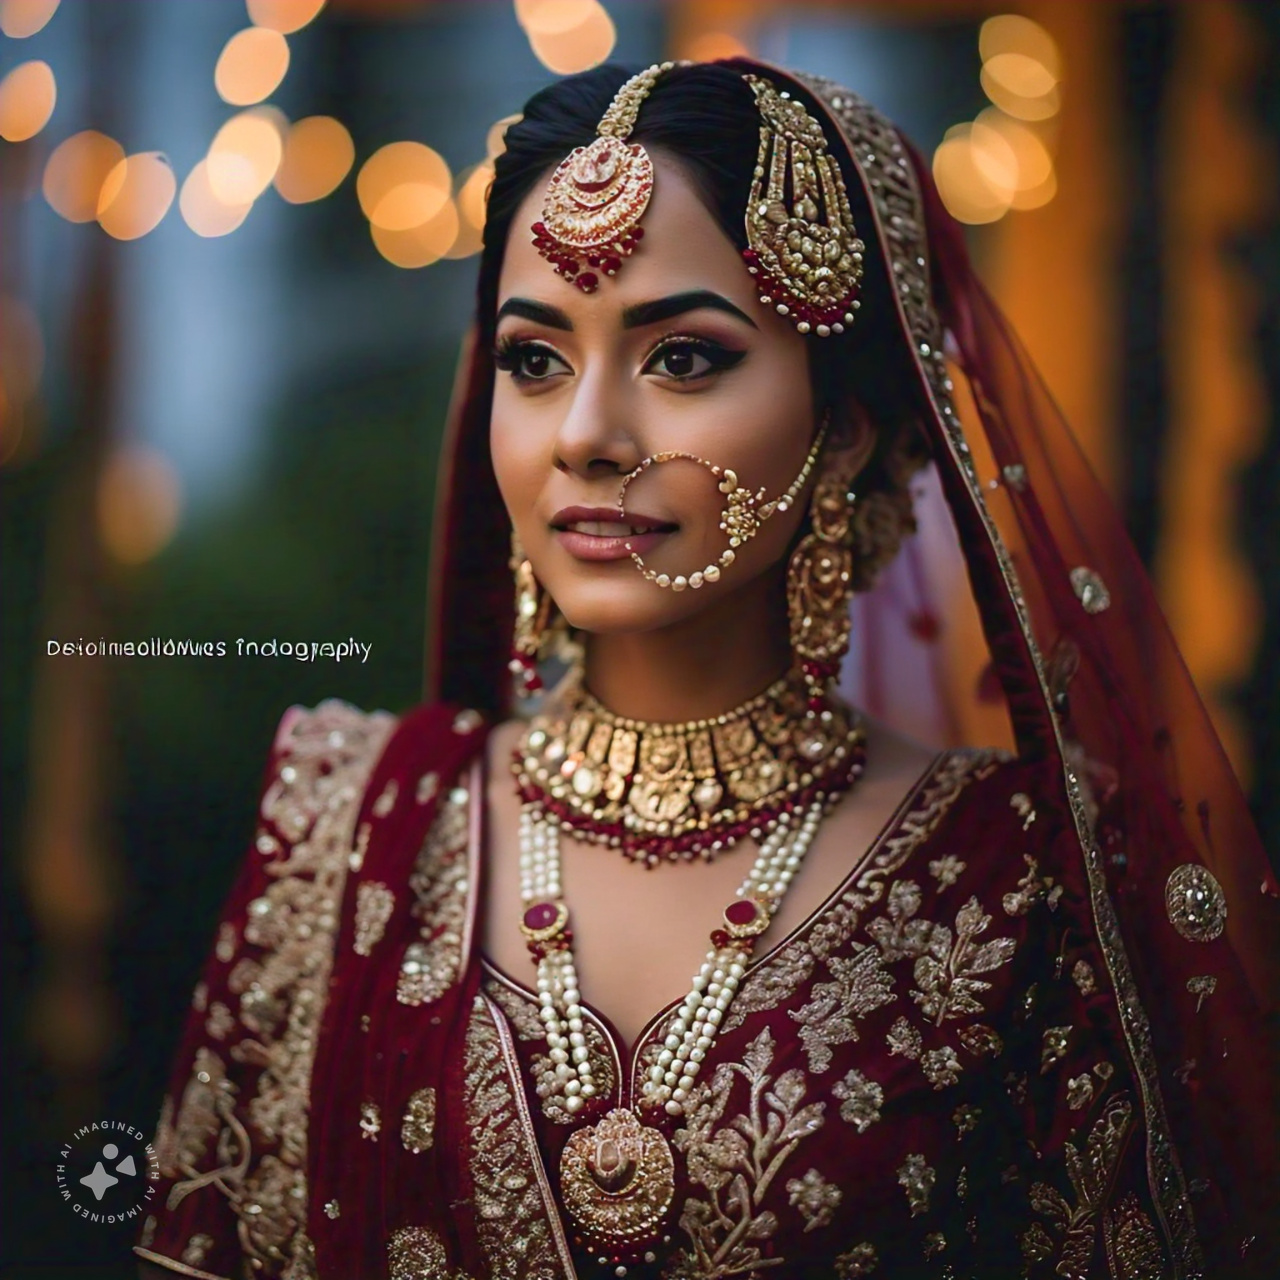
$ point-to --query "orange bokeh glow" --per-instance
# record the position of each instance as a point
(422, 245)
(318, 154)
(136, 195)
(139, 504)
(245, 154)
(75, 172)
(284, 16)
(251, 66)
(403, 185)
(22, 18)
(28, 95)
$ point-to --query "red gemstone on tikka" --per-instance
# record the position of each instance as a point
(587, 281)
(637, 233)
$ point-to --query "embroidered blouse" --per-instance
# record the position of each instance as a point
(926, 1078)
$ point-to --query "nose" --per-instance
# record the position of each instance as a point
(596, 439)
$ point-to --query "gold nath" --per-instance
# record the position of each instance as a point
(672, 792)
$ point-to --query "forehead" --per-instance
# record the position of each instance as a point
(684, 248)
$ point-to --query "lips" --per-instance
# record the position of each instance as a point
(602, 534)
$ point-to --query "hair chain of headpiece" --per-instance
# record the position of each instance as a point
(806, 257)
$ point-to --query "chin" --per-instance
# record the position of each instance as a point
(623, 607)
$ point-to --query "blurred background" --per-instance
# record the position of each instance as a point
(237, 245)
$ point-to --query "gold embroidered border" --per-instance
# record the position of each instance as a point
(517, 1221)
(897, 209)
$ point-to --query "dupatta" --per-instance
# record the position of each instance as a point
(1184, 904)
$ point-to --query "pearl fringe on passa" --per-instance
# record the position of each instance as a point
(693, 1029)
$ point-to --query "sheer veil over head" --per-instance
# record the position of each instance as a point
(1182, 899)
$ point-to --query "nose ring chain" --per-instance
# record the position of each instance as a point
(740, 520)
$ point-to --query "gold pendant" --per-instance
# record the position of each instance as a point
(618, 1179)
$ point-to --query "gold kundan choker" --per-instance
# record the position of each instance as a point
(672, 792)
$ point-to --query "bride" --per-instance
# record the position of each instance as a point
(688, 968)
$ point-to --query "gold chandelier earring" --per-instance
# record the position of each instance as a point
(820, 583)
(533, 615)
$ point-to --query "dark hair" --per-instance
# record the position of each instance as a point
(704, 116)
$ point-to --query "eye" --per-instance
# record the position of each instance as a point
(528, 361)
(687, 359)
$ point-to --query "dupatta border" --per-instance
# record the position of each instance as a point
(882, 161)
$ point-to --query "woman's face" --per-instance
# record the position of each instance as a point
(675, 352)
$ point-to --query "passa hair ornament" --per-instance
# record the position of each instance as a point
(806, 254)
(598, 193)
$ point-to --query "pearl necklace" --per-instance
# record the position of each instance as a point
(693, 1028)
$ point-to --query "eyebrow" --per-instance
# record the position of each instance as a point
(643, 313)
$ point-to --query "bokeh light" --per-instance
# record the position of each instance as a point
(251, 66)
(964, 184)
(136, 195)
(1013, 155)
(203, 211)
(22, 18)
(403, 186)
(75, 172)
(139, 503)
(284, 16)
(711, 45)
(318, 154)
(1021, 67)
(473, 194)
(567, 35)
(422, 245)
(245, 154)
(28, 95)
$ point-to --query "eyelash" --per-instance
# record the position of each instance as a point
(509, 352)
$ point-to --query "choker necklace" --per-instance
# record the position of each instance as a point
(672, 792)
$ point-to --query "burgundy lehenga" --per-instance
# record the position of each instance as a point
(1024, 1036)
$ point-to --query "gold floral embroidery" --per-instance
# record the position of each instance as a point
(904, 1039)
(941, 1067)
(370, 1120)
(815, 1198)
(439, 884)
(1202, 986)
(220, 1022)
(355, 859)
(736, 1164)
(768, 984)
(1133, 1248)
(197, 1249)
(332, 1209)
(1079, 1091)
(522, 1014)
(1022, 806)
(966, 1118)
(326, 756)
(946, 870)
(427, 787)
(859, 1261)
(417, 1253)
(1090, 1172)
(948, 987)
(387, 800)
(1082, 976)
(1053, 1045)
(898, 933)
(828, 1019)
(418, 1127)
(225, 947)
(374, 905)
(934, 1243)
(511, 1215)
(200, 997)
(1031, 889)
(981, 1040)
(860, 1099)
(916, 1178)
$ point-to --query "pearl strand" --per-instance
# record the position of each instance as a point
(694, 1026)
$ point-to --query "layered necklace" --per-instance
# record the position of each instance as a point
(770, 768)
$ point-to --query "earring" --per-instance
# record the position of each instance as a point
(533, 611)
(820, 585)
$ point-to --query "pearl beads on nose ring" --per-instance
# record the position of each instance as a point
(743, 513)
